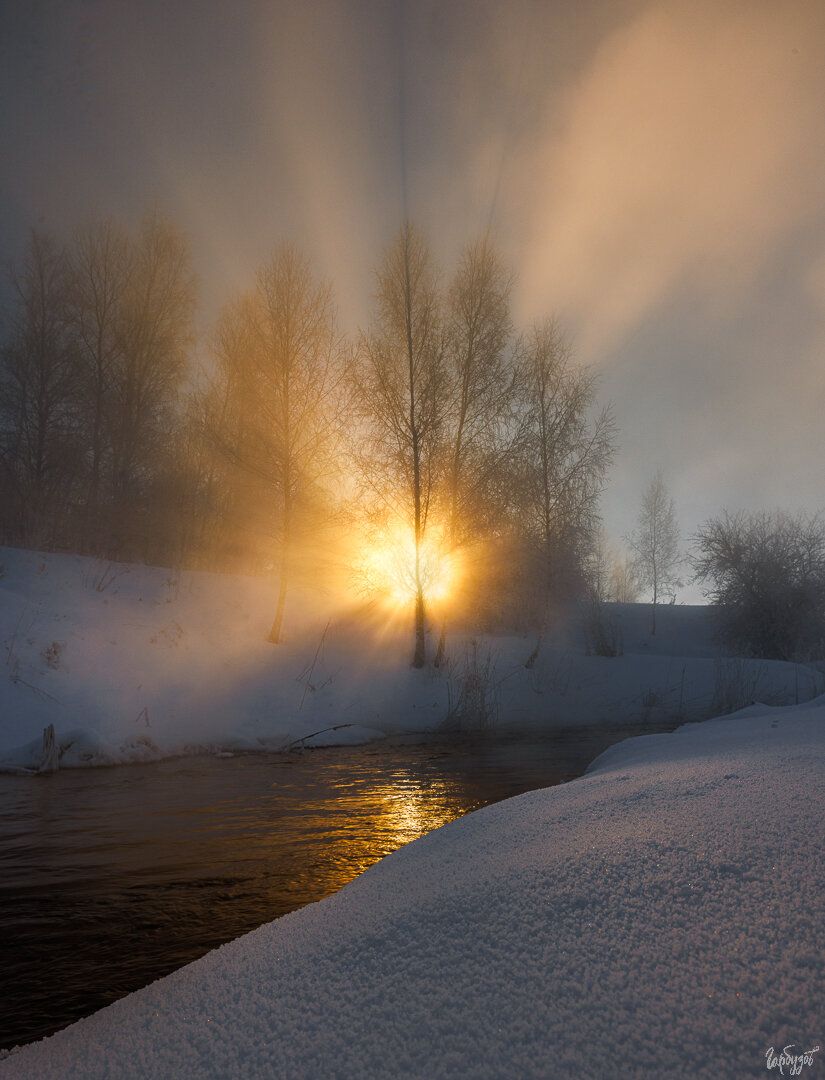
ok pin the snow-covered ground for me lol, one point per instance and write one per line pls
(133, 663)
(663, 916)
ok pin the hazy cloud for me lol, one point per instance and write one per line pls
(652, 170)
(691, 148)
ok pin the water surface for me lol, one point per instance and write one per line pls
(111, 878)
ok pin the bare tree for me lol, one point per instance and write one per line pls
(765, 573)
(38, 444)
(483, 373)
(89, 385)
(232, 478)
(564, 464)
(655, 543)
(100, 266)
(154, 336)
(600, 566)
(275, 410)
(402, 391)
(624, 584)
(482, 369)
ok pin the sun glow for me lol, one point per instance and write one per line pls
(387, 567)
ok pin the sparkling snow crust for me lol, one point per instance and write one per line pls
(661, 917)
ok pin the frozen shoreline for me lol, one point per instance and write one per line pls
(660, 916)
(135, 663)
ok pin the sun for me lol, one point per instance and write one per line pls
(387, 566)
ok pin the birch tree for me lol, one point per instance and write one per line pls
(482, 371)
(655, 543)
(564, 463)
(154, 336)
(38, 444)
(401, 387)
(100, 265)
(276, 410)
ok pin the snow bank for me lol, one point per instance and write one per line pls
(662, 916)
(135, 663)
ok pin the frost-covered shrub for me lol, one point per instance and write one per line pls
(472, 690)
(600, 635)
(766, 575)
(737, 683)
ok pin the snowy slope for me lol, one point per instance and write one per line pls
(133, 663)
(681, 630)
(662, 916)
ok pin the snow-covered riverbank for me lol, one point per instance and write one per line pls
(134, 663)
(662, 916)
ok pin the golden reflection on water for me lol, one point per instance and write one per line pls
(146, 868)
(351, 826)
(387, 815)
(115, 877)
(406, 812)
(310, 843)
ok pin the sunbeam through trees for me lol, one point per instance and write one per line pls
(441, 461)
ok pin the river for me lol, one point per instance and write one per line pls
(111, 878)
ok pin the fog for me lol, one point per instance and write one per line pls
(651, 171)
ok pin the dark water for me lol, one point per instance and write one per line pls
(111, 878)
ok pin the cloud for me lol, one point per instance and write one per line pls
(690, 147)
(653, 171)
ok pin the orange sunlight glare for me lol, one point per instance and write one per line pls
(387, 567)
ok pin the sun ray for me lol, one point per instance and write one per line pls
(385, 566)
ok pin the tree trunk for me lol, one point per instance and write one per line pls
(274, 635)
(420, 654)
(530, 662)
(441, 651)
(548, 584)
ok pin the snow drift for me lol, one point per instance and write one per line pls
(134, 663)
(662, 916)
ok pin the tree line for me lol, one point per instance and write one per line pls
(122, 436)
(762, 572)
(263, 447)
(94, 352)
(439, 415)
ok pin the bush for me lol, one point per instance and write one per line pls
(472, 690)
(600, 635)
(766, 574)
(736, 685)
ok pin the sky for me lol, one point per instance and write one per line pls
(653, 172)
